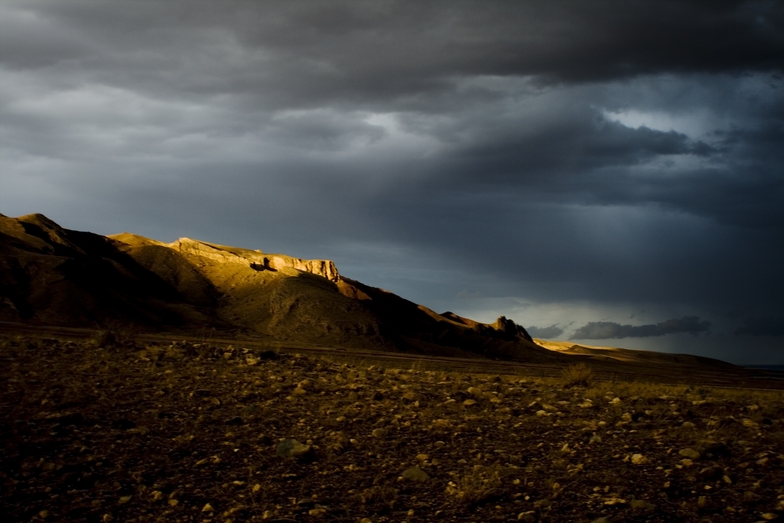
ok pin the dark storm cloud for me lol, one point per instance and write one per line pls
(768, 326)
(403, 50)
(553, 331)
(603, 330)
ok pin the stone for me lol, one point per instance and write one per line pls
(641, 504)
(293, 449)
(750, 423)
(717, 450)
(639, 459)
(529, 516)
(415, 474)
(689, 453)
(711, 473)
(441, 424)
(475, 392)
(306, 503)
(410, 396)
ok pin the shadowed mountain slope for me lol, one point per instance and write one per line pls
(51, 275)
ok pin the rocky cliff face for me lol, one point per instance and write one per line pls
(256, 260)
(324, 268)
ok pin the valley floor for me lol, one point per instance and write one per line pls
(196, 432)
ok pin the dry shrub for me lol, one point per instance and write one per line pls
(379, 494)
(104, 338)
(580, 375)
(478, 485)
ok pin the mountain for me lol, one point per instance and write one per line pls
(54, 276)
(627, 356)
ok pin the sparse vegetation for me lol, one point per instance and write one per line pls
(579, 375)
(479, 485)
(190, 432)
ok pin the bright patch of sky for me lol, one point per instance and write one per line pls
(398, 138)
(696, 125)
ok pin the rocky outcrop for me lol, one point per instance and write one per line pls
(211, 251)
(256, 259)
(510, 329)
(324, 268)
(502, 328)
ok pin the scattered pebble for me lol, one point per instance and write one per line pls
(689, 453)
(415, 474)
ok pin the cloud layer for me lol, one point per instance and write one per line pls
(622, 153)
(551, 332)
(603, 330)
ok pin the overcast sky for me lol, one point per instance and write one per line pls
(609, 171)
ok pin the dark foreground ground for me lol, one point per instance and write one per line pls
(194, 432)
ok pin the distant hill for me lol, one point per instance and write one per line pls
(54, 276)
(614, 354)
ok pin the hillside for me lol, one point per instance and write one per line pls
(630, 356)
(54, 276)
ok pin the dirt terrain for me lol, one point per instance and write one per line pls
(136, 430)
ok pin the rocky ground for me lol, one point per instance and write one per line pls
(184, 432)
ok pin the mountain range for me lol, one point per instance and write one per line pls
(50, 275)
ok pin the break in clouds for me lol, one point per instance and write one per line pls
(622, 154)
